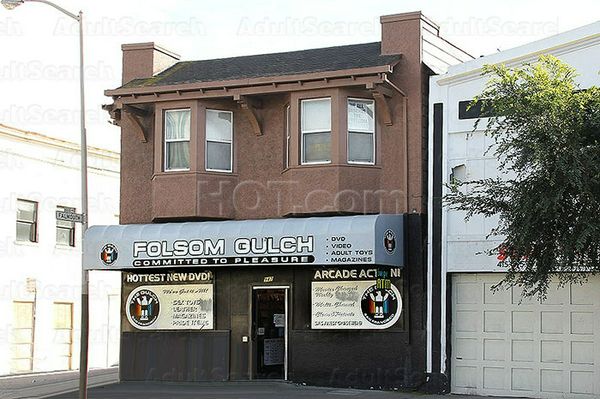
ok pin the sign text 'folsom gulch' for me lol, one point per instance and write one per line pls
(208, 247)
(209, 251)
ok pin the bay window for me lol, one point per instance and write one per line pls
(361, 131)
(177, 139)
(316, 130)
(219, 140)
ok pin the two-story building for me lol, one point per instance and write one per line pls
(272, 211)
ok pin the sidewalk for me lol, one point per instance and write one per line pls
(43, 385)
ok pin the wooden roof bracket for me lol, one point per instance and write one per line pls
(381, 95)
(249, 107)
(114, 113)
(139, 118)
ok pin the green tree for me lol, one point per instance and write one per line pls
(547, 194)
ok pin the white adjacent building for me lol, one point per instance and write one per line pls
(41, 257)
(491, 344)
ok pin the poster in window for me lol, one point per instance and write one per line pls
(171, 307)
(361, 304)
(274, 351)
(360, 116)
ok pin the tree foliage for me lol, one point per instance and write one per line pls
(547, 194)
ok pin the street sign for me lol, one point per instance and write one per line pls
(70, 216)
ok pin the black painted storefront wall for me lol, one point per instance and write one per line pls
(391, 358)
(381, 360)
(174, 356)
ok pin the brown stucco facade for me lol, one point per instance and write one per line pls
(269, 181)
(260, 185)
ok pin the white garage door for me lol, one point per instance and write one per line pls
(529, 349)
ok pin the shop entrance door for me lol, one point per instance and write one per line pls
(269, 332)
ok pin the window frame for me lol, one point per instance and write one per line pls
(70, 328)
(303, 132)
(165, 141)
(33, 223)
(71, 229)
(17, 326)
(206, 141)
(288, 134)
(373, 137)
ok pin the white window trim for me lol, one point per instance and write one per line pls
(230, 142)
(288, 134)
(34, 223)
(74, 228)
(302, 131)
(360, 131)
(189, 140)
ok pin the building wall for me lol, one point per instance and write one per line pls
(578, 48)
(261, 186)
(388, 358)
(456, 246)
(45, 170)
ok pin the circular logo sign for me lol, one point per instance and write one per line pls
(142, 307)
(389, 241)
(109, 254)
(381, 306)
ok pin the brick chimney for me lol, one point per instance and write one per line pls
(144, 60)
(402, 33)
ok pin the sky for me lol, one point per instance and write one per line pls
(39, 64)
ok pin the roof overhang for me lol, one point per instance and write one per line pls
(342, 240)
(253, 86)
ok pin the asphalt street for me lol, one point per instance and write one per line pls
(239, 390)
(41, 385)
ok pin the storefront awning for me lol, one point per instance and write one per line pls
(342, 240)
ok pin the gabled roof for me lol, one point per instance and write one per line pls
(276, 64)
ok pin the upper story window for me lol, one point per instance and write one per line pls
(361, 131)
(219, 140)
(177, 139)
(65, 230)
(316, 130)
(27, 214)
